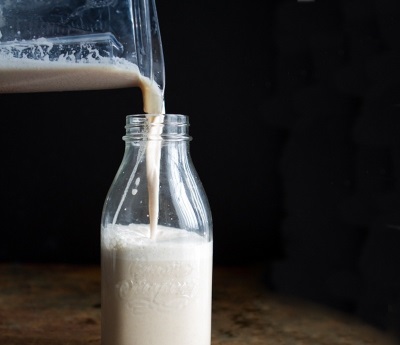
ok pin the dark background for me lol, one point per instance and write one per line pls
(295, 115)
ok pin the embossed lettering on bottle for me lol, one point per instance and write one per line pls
(163, 286)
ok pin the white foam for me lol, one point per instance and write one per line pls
(133, 242)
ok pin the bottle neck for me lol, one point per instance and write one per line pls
(165, 127)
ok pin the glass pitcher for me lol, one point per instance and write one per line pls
(58, 45)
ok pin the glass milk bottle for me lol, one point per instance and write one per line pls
(156, 240)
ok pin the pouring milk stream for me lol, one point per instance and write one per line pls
(39, 63)
(48, 64)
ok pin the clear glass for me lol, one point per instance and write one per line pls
(156, 240)
(83, 31)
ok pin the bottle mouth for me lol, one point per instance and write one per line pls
(157, 127)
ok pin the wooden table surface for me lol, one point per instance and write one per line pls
(60, 304)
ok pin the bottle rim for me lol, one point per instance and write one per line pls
(157, 127)
(167, 118)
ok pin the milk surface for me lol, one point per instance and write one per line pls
(155, 291)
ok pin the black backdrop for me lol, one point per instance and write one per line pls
(294, 110)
